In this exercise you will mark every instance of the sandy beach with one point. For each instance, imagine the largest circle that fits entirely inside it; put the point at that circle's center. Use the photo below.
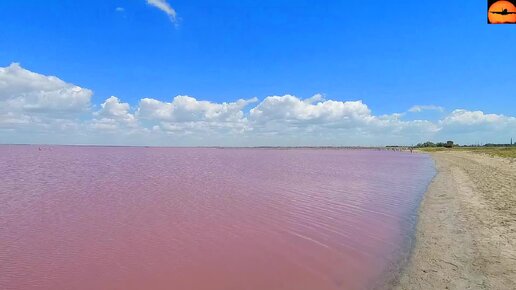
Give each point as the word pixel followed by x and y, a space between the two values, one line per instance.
pixel 466 232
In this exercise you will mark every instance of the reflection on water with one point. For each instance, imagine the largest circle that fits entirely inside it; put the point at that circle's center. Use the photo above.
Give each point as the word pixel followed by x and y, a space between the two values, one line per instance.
pixel 177 218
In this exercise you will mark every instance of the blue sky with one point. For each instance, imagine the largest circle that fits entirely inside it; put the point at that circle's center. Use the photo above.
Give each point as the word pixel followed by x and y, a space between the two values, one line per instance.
pixel 389 54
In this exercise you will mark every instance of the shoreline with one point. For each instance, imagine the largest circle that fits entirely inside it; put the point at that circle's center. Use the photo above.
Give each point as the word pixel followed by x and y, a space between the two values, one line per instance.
pixel 465 236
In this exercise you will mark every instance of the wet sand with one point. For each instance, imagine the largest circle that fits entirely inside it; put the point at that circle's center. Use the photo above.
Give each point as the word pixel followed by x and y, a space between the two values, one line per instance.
pixel 466 233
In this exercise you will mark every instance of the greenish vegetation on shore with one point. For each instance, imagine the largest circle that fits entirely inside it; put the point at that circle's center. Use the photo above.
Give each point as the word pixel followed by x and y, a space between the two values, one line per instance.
pixel 507 152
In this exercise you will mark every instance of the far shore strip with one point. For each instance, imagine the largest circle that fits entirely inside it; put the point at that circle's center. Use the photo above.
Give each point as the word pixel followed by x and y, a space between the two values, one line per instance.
pixel 466 232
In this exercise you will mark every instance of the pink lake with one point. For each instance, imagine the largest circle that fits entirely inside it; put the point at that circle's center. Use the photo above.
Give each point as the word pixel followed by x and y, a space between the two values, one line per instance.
pixel 205 218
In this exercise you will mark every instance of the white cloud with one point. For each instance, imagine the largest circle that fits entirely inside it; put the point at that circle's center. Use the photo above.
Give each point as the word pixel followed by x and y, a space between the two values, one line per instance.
pixel 114 109
pixel 36 108
pixel 331 122
pixel 461 120
pixel 114 114
pixel 120 9
pixel 421 108
pixel 472 118
pixel 472 127
pixel 293 110
pixel 29 100
pixel 189 113
pixel 164 6
pixel 24 90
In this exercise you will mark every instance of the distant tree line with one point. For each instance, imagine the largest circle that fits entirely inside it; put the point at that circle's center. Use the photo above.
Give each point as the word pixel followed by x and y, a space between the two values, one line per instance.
pixel 498 145
pixel 451 144
pixel 447 144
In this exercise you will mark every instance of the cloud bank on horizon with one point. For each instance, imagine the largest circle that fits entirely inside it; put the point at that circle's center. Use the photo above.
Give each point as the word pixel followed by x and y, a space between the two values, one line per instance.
pixel 40 109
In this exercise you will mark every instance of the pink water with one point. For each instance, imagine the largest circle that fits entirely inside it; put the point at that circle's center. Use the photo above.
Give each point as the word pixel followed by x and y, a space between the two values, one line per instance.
pixel 214 219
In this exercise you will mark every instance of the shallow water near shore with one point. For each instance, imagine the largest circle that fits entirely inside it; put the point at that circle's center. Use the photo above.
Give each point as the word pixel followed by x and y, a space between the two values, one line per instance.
pixel 205 218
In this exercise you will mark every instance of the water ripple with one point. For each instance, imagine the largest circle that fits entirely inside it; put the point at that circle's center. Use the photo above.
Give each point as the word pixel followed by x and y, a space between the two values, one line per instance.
pixel 180 218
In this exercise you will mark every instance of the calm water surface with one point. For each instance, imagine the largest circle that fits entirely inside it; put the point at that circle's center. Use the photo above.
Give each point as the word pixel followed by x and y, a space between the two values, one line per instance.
pixel 228 219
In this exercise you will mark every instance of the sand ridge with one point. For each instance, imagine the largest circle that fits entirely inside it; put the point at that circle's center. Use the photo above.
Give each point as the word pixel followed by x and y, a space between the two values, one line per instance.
pixel 466 232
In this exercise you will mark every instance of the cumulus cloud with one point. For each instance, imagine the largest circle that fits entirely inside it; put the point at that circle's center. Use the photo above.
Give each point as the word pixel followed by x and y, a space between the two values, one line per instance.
pixel 315 113
pixel 472 127
pixel 472 118
pixel 114 114
pixel 185 108
pixel 164 6
pixel 29 100
pixel 24 90
pixel 421 108
pixel 36 108
pixel 467 121
pixel 291 109
pixel 189 113
pixel 316 121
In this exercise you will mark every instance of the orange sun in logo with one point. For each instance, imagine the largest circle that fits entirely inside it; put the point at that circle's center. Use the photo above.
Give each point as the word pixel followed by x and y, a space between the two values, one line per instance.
pixel 502 12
